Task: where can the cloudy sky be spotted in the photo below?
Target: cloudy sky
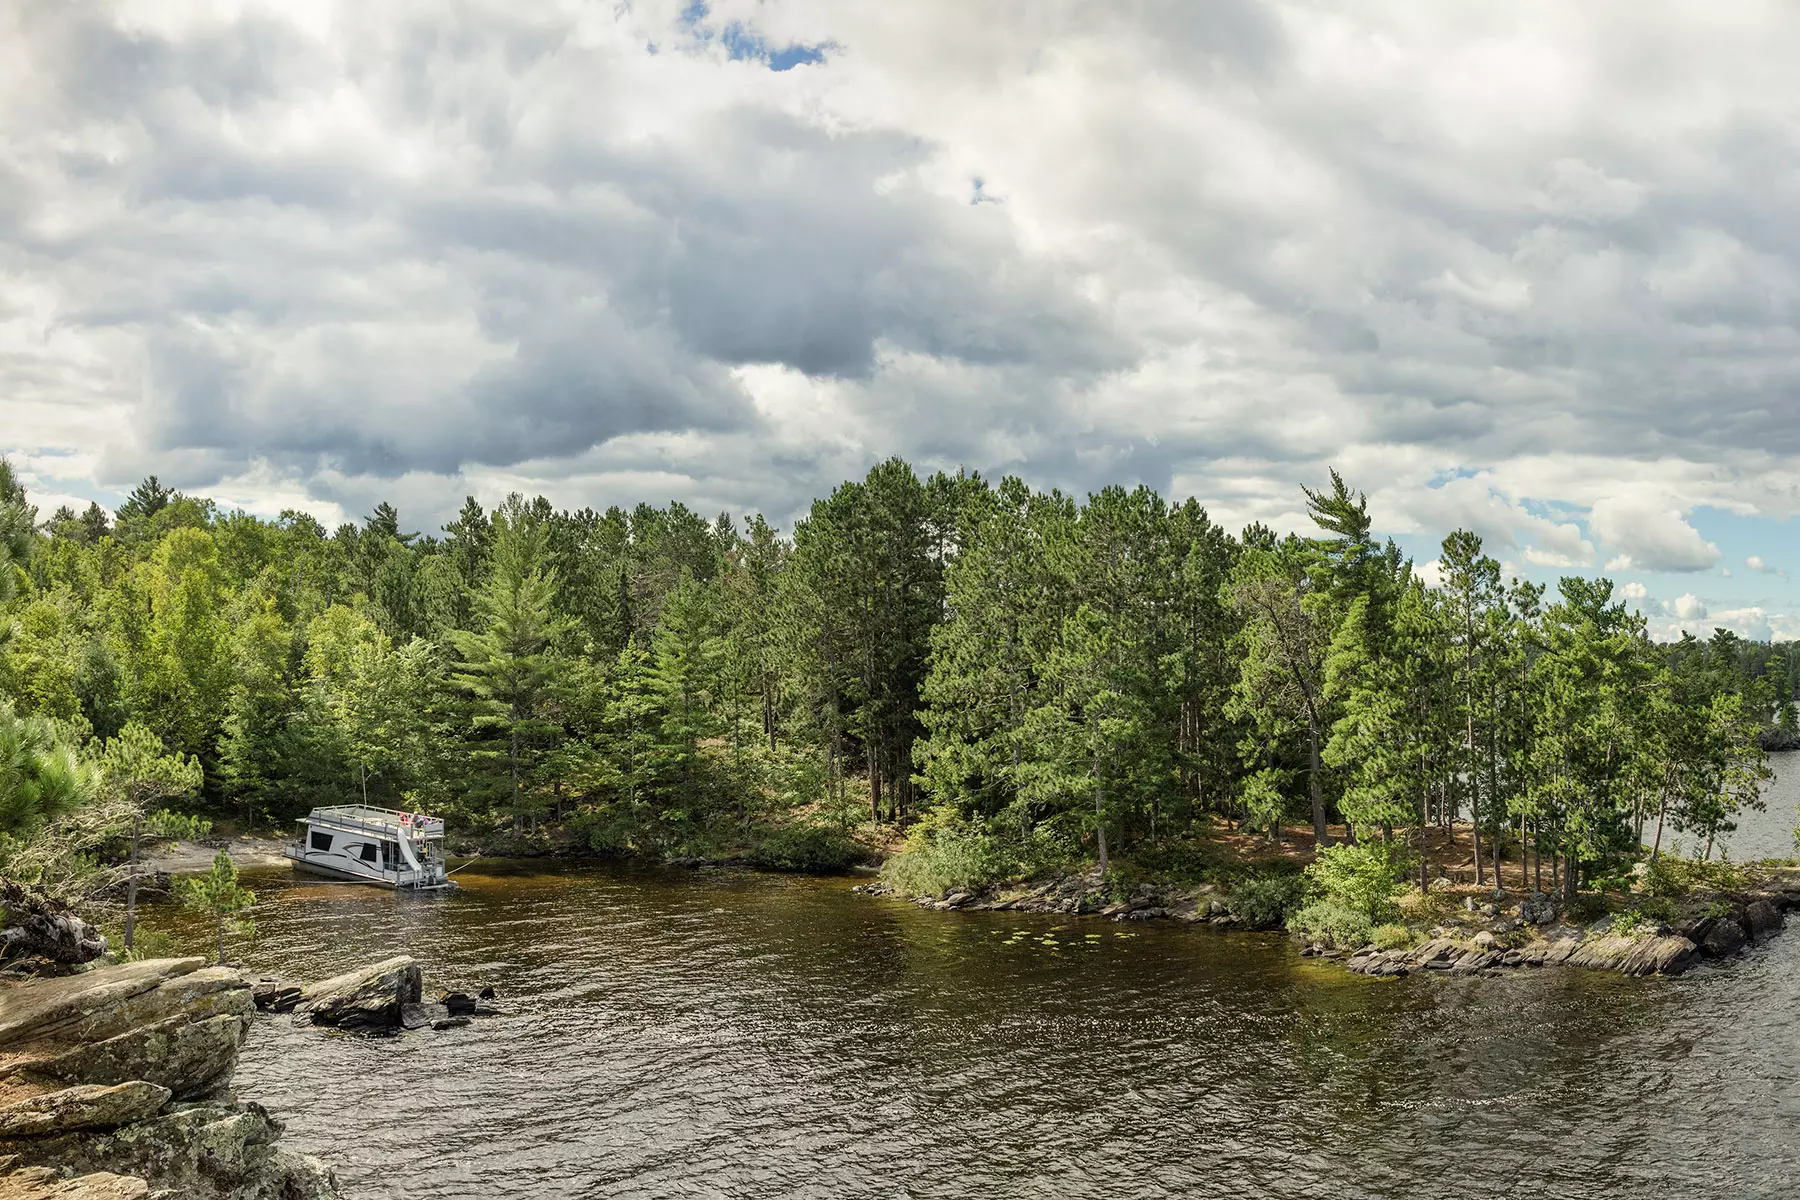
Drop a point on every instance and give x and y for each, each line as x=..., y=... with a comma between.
x=1531, y=269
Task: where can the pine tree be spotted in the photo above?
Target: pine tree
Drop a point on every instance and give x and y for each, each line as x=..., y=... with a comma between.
x=218, y=895
x=505, y=664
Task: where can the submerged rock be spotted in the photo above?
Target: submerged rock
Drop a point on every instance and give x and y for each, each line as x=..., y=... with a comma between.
x=418, y=1016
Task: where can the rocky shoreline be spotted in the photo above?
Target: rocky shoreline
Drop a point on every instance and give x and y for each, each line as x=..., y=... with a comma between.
x=115, y=1083
x=1499, y=932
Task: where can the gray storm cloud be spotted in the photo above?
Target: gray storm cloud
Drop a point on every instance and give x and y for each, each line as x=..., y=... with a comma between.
x=353, y=250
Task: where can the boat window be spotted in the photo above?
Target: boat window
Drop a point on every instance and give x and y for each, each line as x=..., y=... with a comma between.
x=368, y=852
x=390, y=854
x=321, y=841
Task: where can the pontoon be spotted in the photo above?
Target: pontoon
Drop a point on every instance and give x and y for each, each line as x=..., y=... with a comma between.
x=382, y=846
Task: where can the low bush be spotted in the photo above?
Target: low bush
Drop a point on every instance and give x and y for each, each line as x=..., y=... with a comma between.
x=1266, y=901
x=1333, y=923
x=945, y=853
x=1364, y=877
x=176, y=826
x=1393, y=936
x=809, y=849
x=1671, y=876
x=1181, y=859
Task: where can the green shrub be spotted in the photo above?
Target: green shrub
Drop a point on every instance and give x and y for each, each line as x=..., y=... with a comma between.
x=811, y=849
x=945, y=853
x=1364, y=877
x=1393, y=936
x=1181, y=860
x=147, y=944
x=176, y=826
x=1672, y=876
x=1265, y=901
x=1335, y=924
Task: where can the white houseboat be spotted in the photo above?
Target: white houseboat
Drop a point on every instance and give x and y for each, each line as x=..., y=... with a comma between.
x=381, y=846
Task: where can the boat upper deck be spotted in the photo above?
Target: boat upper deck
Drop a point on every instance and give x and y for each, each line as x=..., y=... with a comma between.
x=390, y=821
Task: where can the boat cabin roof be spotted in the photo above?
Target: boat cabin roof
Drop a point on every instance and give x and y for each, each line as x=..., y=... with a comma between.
x=390, y=821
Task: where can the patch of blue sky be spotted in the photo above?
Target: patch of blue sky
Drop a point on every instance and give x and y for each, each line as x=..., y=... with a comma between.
x=746, y=45
x=1753, y=588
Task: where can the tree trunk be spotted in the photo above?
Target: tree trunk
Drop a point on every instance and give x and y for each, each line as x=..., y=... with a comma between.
x=1656, y=849
x=1321, y=837
x=1524, y=877
x=517, y=815
x=137, y=828
x=1475, y=802
x=1099, y=797
x=219, y=928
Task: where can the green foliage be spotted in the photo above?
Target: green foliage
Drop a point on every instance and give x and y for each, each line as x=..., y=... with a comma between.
x=945, y=853
x=1394, y=936
x=42, y=776
x=1068, y=678
x=1181, y=859
x=1669, y=876
x=177, y=826
x=1334, y=924
x=1365, y=877
x=148, y=944
x=1266, y=901
x=219, y=895
x=808, y=848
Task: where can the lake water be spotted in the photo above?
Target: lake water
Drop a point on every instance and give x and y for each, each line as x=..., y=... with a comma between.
x=712, y=1034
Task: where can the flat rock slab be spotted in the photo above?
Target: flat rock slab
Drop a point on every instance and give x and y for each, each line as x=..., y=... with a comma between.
x=191, y=1058
x=46, y=1183
x=89, y=1106
x=46, y=1007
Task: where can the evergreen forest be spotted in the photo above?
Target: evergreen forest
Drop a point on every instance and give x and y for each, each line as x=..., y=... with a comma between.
x=1025, y=678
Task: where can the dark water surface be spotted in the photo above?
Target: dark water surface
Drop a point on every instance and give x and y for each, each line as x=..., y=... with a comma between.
x=674, y=1034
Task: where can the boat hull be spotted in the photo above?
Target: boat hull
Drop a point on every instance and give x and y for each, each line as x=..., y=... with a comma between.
x=350, y=875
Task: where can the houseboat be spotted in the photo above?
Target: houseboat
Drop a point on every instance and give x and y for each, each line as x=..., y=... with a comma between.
x=382, y=846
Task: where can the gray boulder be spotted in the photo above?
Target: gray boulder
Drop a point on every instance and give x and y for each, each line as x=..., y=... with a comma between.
x=370, y=997
x=1725, y=937
x=418, y=1016
x=1763, y=919
x=193, y=1059
x=199, y=1152
x=170, y=1022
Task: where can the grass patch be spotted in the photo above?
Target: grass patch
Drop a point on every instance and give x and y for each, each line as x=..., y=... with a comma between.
x=944, y=853
x=807, y=849
x=1673, y=878
x=1333, y=923
x=1265, y=901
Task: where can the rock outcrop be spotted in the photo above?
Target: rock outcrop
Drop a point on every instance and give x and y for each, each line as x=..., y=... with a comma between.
x=1493, y=935
x=123, y=1072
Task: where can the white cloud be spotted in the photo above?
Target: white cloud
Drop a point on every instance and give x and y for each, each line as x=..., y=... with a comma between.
x=330, y=253
x=1633, y=590
x=1688, y=607
x=1649, y=535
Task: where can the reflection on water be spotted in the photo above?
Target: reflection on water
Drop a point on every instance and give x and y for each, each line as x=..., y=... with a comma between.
x=728, y=1035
